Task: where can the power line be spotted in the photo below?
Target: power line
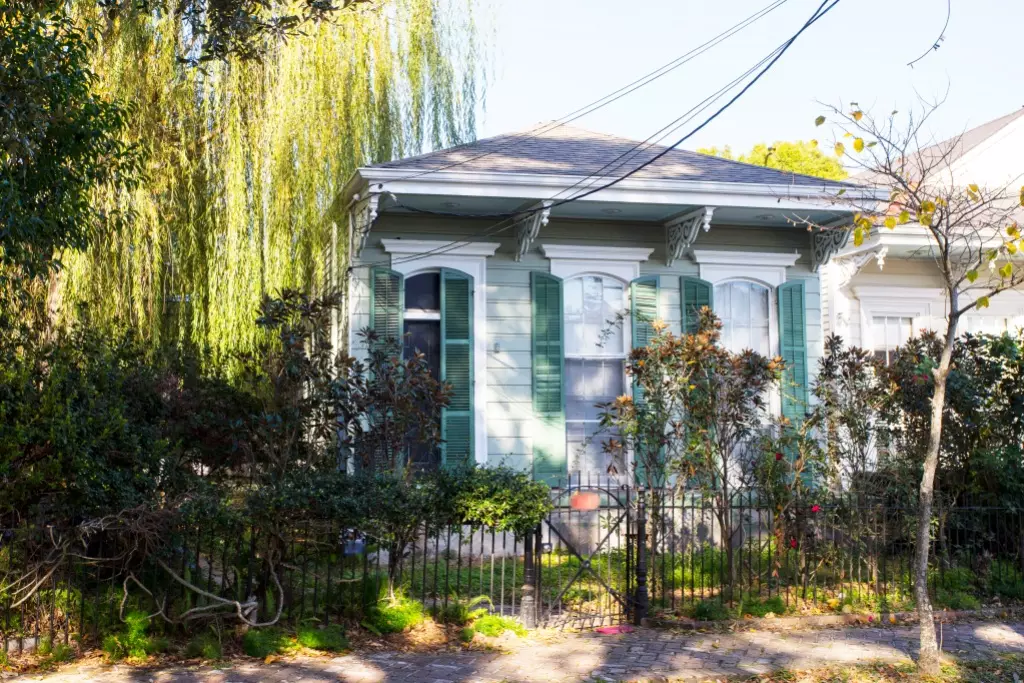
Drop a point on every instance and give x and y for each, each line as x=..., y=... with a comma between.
x=773, y=57
x=614, y=96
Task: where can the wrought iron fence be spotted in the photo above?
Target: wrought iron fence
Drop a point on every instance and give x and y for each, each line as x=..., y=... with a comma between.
x=605, y=554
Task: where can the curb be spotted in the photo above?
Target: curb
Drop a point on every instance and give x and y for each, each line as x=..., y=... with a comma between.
x=812, y=621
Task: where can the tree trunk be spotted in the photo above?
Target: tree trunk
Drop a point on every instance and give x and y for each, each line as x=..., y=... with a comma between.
x=928, y=657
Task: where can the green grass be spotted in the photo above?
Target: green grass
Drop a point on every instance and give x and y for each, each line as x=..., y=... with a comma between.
x=263, y=642
x=493, y=625
x=133, y=642
x=395, y=617
x=327, y=639
x=205, y=646
x=992, y=670
x=709, y=610
x=460, y=612
x=760, y=607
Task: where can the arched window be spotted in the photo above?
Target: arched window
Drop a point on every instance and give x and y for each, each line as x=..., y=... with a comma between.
x=595, y=354
x=746, y=313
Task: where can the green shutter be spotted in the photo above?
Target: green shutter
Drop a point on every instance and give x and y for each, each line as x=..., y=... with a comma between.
x=695, y=294
x=643, y=311
x=457, y=368
x=793, y=347
x=549, y=456
x=387, y=297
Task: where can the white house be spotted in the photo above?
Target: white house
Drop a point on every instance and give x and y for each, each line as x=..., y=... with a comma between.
x=473, y=254
x=884, y=291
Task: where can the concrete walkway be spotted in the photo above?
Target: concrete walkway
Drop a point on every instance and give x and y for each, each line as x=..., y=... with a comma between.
x=643, y=654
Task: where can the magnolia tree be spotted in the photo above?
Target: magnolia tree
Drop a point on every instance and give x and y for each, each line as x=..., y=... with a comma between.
x=973, y=238
x=697, y=417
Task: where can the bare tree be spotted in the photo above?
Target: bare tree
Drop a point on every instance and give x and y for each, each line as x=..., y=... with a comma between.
x=973, y=237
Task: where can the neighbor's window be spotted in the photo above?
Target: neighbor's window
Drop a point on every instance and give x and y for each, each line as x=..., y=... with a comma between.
x=743, y=308
x=984, y=324
x=423, y=334
x=889, y=332
x=595, y=344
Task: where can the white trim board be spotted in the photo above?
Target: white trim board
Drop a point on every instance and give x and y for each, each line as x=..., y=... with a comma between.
x=471, y=259
x=766, y=268
x=621, y=263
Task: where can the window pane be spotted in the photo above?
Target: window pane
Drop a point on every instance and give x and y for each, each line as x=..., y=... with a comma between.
x=592, y=316
x=589, y=383
x=890, y=332
x=744, y=310
x=423, y=292
x=425, y=336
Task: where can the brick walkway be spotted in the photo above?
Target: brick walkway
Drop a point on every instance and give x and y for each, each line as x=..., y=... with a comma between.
x=644, y=654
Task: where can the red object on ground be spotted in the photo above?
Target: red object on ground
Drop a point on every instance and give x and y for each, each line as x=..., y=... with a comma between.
x=585, y=500
x=815, y=508
x=778, y=456
x=614, y=630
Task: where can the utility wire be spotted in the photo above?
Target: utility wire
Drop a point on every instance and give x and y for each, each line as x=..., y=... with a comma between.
x=611, y=97
x=772, y=59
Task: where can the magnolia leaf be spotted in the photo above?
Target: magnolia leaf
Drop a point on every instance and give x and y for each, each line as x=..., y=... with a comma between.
x=814, y=143
x=857, y=115
x=973, y=187
x=927, y=206
x=904, y=217
x=820, y=120
x=847, y=134
x=1013, y=230
x=1022, y=196
x=890, y=222
x=872, y=143
x=1006, y=271
x=864, y=223
x=858, y=236
x=983, y=302
x=924, y=218
x=1011, y=247
x=972, y=275
x=840, y=150
x=858, y=144
x=992, y=255
x=841, y=192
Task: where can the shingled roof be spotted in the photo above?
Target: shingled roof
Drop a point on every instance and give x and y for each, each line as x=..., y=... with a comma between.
x=566, y=150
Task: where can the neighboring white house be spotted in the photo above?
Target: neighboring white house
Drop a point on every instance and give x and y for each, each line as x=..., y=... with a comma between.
x=879, y=294
x=471, y=254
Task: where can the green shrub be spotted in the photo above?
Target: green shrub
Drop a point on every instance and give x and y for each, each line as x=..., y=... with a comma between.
x=263, y=642
x=45, y=646
x=460, y=612
x=758, y=607
x=957, y=600
x=327, y=639
x=4, y=661
x=954, y=579
x=133, y=642
x=395, y=617
x=493, y=625
x=466, y=634
x=60, y=653
x=204, y=645
x=1005, y=580
x=709, y=610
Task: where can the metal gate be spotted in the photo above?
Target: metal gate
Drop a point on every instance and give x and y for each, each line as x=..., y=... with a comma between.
x=586, y=556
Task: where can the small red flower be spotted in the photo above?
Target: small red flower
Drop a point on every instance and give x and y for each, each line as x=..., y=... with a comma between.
x=778, y=456
x=815, y=508
x=871, y=618
x=792, y=543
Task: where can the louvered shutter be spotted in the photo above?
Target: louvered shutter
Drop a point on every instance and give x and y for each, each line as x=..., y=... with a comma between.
x=793, y=348
x=457, y=368
x=643, y=311
x=547, y=346
x=694, y=294
x=387, y=303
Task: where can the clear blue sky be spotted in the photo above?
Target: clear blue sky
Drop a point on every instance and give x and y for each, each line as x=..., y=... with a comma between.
x=553, y=56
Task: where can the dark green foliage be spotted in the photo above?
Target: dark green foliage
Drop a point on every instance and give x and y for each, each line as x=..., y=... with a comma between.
x=466, y=634
x=761, y=607
x=709, y=610
x=205, y=645
x=395, y=616
x=59, y=140
x=494, y=625
x=460, y=612
x=262, y=642
x=133, y=641
x=328, y=639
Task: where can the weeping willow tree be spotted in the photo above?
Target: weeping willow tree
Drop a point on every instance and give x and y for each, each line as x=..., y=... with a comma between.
x=245, y=158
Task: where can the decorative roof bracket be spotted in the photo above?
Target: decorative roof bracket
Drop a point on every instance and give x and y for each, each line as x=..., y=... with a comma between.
x=827, y=241
x=850, y=265
x=681, y=232
x=529, y=225
x=362, y=213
